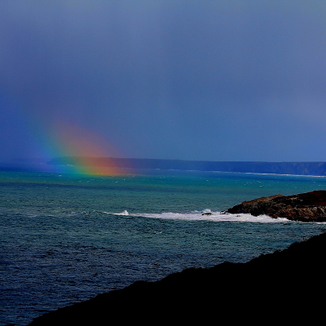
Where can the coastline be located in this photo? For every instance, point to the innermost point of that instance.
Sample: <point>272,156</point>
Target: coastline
<point>291,278</point>
<point>291,168</point>
<point>136,165</point>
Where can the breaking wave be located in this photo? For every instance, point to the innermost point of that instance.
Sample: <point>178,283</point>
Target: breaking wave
<point>206,215</point>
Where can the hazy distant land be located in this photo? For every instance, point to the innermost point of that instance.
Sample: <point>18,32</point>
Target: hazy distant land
<point>296,168</point>
<point>293,168</point>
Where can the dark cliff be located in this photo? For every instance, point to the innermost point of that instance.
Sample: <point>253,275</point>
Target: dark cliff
<point>287,285</point>
<point>307,207</point>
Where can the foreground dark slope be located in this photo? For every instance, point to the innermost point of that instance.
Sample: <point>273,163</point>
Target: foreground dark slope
<point>287,285</point>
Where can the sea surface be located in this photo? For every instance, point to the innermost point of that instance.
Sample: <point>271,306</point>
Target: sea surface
<point>66,238</point>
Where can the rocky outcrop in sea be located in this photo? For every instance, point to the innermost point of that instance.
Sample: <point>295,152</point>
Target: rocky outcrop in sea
<point>306,207</point>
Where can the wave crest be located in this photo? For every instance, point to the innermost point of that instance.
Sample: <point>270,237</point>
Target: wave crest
<point>206,215</point>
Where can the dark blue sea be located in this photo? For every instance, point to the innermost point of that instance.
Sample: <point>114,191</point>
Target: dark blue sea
<point>66,238</point>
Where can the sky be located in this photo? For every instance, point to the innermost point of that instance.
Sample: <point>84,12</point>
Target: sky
<point>233,80</point>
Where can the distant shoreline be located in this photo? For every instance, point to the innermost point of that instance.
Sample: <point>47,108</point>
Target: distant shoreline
<point>296,168</point>
<point>277,168</point>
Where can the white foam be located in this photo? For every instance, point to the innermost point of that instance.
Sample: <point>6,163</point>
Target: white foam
<point>124,213</point>
<point>207,215</point>
<point>216,217</point>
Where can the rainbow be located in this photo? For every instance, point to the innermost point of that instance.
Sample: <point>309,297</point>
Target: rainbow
<point>83,152</point>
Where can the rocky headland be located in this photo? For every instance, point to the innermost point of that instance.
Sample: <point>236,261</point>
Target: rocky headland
<point>306,207</point>
<point>286,286</point>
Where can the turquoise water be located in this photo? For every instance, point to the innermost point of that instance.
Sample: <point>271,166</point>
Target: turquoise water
<point>68,238</point>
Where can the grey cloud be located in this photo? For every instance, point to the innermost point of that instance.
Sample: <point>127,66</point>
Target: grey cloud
<point>170,68</point>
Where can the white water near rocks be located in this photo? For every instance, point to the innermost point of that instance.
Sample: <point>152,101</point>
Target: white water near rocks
<point>217,216</point>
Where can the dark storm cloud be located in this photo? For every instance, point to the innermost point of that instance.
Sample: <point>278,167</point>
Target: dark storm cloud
<point>218,80</point>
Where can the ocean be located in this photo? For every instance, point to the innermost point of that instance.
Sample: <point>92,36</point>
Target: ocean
<point>66,238</point>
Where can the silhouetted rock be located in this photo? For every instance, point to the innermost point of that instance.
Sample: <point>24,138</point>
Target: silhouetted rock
<point>307,207</point>
<point>284,286</point>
